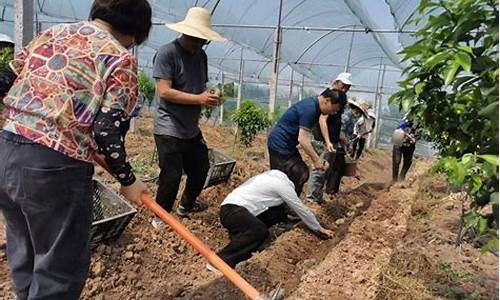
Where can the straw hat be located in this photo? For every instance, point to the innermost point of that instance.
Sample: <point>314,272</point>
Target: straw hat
<point>198,23</point>
<point>361,104</point>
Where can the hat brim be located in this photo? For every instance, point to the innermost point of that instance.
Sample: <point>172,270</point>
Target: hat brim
<point>355,104</point>
<point>345,81</point>
<point>196,31</point>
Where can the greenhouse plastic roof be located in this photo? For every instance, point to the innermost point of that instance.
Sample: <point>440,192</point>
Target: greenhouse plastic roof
<point>307,48</point>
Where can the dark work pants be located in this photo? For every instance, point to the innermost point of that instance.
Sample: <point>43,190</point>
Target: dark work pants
<point>246,231</point>
<point>46,199</point>
<point>358,147</point>
<point>407,153</point>
<point>335,172</point>
<point>292,165</point>
<point>175,155</point>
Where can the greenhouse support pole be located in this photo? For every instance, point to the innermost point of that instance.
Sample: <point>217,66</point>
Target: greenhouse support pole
<point>23,23</point>
<point>348,61</point>
<point>302,89</point>
<point>379,109</point>
<point>290,91</point>
<point>373,137</point>
<point>221,111</point>
<point>273,83</point>
<point>240,82</point>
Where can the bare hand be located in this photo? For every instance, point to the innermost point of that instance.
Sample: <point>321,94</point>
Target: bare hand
<point>321,164</point>
<point>330,147</point>
<point>133,192</point>
<point>343,139</point>
<point>207,98</point>
<point>328,234</point>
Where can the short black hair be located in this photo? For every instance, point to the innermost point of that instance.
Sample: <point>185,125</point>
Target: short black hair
<point>335,96</point>
<point>130,17</point>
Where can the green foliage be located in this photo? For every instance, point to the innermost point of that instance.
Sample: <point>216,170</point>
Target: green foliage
<point>451,89</point>
<point>6,55</point>
<point>449,272</point>
<point>250,119</point>
<point>147,87</point>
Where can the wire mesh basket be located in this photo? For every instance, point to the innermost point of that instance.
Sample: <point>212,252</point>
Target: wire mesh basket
<point>221,167</point>
<point>111,214</point>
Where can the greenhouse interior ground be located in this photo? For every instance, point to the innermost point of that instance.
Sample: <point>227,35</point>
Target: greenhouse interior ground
<point>403,240</point>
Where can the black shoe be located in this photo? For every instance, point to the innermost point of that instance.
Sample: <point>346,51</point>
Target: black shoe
<point>198,206</point>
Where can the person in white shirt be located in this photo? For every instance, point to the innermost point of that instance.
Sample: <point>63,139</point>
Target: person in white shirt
<point>250,209</point>
<point>362,129</point>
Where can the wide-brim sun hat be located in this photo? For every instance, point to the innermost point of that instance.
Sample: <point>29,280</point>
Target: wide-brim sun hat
<point>371,113</point>
<point>362,105</point>
<point>197,23</point>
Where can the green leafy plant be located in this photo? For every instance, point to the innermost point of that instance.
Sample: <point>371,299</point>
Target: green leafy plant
<point>146,87</point>
<point>250,119</point>
<point>6,55</point>
<point>451,89</point>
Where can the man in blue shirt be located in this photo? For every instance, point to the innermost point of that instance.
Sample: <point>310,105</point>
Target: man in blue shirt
<point>294,128</point>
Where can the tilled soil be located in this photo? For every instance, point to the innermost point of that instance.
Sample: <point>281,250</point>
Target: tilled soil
<point>367,216</point>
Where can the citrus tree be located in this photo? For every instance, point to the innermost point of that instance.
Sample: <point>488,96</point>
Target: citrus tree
<point>451,89</point>
<point>251,119</point>
<point>146,87</point>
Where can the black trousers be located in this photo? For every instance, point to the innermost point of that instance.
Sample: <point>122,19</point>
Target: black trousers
<point>46,199</point>
<point>292,165</point>
<point>335,172</point>
<point>407,153</point>
<point>357,148</point>
<point>175,155</point>
<point>246,231</point>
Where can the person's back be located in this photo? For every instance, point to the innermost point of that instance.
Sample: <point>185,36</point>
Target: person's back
<point>63,77</point>
<point>261,191</point>
<point>284,135</point>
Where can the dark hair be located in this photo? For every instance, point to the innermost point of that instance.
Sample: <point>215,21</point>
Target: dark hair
<point>130,17</point>
<point>335,96</point>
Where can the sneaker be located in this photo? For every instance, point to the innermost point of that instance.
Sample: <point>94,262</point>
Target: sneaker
<point>158,224</point>
<point>197,207</point>
<point>213,269</point>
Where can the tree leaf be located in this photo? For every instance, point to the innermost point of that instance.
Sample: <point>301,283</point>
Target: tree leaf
<point>419,87</point>
<point>450,73</point>
<point>464,60</point>
<point>494,198</point>
<point>489,110</point>
<point>432,61</point>
<point>490,158</point>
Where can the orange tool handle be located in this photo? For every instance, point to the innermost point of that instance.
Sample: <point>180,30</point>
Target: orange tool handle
<point>189,237</point>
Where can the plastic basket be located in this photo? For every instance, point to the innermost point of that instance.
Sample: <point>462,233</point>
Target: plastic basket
<point>111,214</point>
<point>221,167</point>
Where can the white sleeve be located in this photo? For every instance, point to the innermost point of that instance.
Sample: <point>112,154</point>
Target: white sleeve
<point>289,195</point>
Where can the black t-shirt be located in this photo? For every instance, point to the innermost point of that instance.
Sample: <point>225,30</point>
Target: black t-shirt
<point>334,123</point>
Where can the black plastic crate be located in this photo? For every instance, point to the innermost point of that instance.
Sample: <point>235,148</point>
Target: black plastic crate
<point>221,167</point>
<point>111,214</point>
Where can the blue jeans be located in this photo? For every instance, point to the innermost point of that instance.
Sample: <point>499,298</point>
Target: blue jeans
<point>318,177</point>
<point>46,199</point>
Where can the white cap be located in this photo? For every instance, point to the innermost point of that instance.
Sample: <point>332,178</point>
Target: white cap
<point>345,78</point>
<point>5,39</point>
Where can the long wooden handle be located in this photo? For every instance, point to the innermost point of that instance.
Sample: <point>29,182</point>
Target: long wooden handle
<point>189,237</point>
